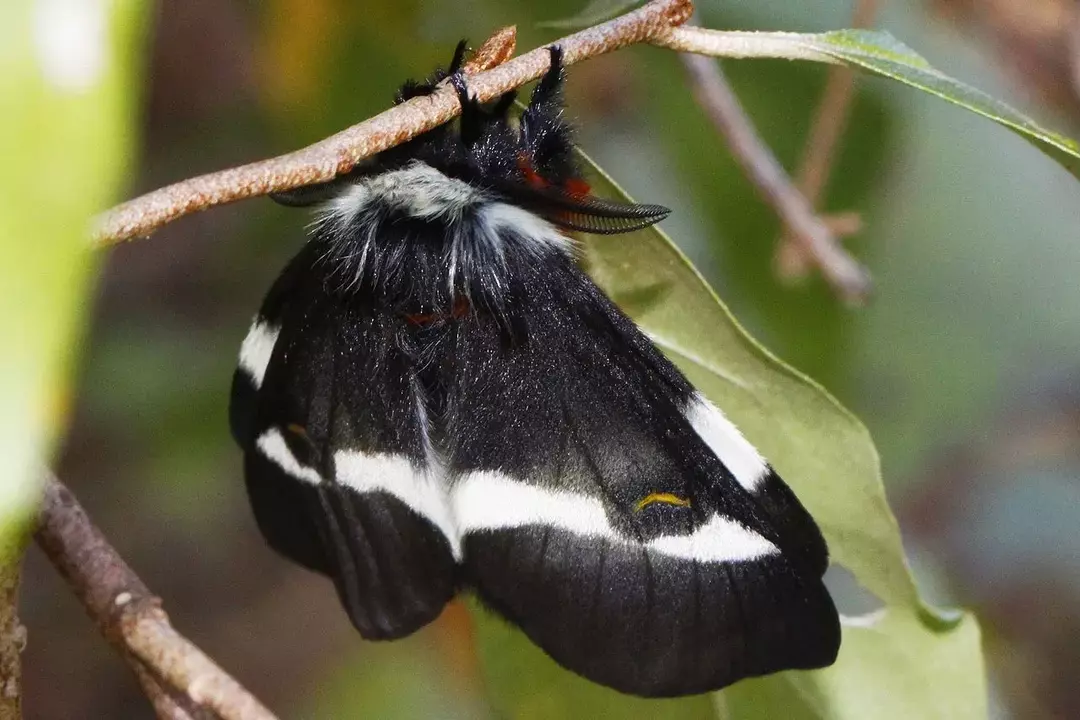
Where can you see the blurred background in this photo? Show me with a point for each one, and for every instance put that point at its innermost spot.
(965, 366)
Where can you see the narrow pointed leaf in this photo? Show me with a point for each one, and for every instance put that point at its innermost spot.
(880, 53)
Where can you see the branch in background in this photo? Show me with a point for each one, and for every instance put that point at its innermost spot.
(492, 74)
(1074, 49)
(714, 94)
(131, 618)
(819, 155)
(339, 153)
(12, 633)
(168, 703)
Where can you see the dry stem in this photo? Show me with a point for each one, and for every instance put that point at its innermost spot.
(830, 122)
(12, 633)
(339, 153)
(714, 94)
(131, 618)
(493, 74)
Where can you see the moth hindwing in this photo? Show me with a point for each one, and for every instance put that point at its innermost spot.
(435, 397)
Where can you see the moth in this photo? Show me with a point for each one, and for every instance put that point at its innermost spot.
(434, 397)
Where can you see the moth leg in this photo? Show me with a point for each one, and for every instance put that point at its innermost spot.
(412, 88)
(548, 92)
(458, 59)
(472, 115)
(547, 139)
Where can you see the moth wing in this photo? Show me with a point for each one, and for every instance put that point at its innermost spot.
(615, 516)
(326, 408)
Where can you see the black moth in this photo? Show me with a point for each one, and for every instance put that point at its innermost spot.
(435, 397)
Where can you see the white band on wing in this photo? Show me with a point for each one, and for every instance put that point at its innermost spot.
(256, 350)
(422, 491)
(726, 442)
(395, 475)
(493, 501)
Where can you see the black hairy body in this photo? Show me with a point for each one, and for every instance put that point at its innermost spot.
(434, 396)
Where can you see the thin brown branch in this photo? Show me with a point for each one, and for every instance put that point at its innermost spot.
(339, 153)
(131, 618)
(827, 128)
(168, 703)
(492, 74)
(832, 115)
(1074, 48)
(12, 633)
(714, 94)
(496, 50)
(153, 640)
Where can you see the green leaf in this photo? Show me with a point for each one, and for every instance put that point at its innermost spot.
(524, 684)
(895, 667)
(65, 142)
(411, 678)
(906, 662)
(882, 54)
(595, 12)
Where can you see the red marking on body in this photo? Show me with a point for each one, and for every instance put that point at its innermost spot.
(458, 311)
(421, 318)
(577, 188)
(529, 173)
(573, 189)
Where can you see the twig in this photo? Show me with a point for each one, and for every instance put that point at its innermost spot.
(131, 618)
(1074, 49)
(12, 633)
(714, 94)
(169, 704)
(828, 126)
(656, 22)
(339, 153)
(154, 641)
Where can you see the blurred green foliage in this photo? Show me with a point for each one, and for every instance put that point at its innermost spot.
(973, 239)
(68, 88)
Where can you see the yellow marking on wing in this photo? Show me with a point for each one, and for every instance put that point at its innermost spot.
(665, 498)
